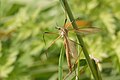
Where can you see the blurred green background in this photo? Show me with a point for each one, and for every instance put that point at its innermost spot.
(22, 49)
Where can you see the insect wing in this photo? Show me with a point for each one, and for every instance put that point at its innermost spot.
(73, 49)
(89, 30)
(80, 23)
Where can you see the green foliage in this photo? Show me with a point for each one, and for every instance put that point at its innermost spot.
(22, 49)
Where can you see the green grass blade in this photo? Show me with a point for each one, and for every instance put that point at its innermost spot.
(71, 17)
(61, 59)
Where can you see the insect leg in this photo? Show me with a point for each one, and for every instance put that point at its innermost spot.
(47, 33)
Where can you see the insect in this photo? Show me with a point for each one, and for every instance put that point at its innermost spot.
(70, 48)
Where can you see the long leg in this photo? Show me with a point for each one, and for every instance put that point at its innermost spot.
(65, 19)
(53, 42)
(75, 42)
(47, 33)
(67, 25)
(65, 22)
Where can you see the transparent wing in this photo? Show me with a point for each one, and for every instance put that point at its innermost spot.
(73, 49)
(85, 31)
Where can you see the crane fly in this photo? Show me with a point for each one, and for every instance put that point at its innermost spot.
(70, 48)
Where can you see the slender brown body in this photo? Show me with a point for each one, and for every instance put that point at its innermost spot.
(64, 34)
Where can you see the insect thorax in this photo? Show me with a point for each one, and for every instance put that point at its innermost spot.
(63, 32)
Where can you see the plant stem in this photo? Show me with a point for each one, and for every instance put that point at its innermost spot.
(67, 9)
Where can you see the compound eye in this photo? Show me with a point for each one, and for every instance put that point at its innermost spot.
(59, 28)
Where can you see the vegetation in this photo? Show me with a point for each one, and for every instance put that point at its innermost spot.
(23, 54)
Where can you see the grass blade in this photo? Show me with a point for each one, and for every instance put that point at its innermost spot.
(61, 59)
